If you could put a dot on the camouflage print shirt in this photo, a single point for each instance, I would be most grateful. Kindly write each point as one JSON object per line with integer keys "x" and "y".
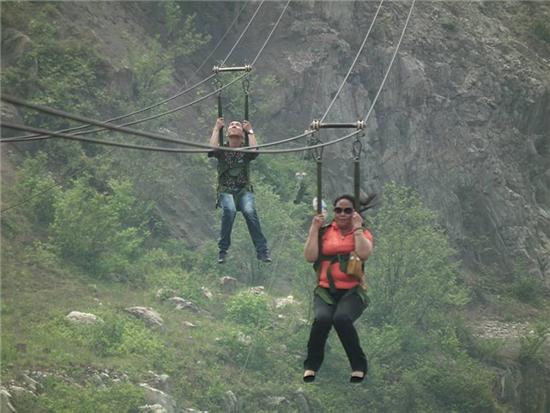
{"x": 232, "y": 169}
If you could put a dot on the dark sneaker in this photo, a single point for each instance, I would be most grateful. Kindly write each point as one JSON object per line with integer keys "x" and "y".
{"x": 264, "y": 257}
{"x": 221, "y": 257}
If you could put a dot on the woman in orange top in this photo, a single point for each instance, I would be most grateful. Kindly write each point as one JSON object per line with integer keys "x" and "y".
{"x": 339, "y": 298}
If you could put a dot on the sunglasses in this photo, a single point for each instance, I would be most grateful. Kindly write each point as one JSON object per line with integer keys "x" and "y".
{"x": 346, "y": 211}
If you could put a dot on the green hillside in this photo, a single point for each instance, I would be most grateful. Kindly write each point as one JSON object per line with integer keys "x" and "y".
{"x": 100, "y": 230}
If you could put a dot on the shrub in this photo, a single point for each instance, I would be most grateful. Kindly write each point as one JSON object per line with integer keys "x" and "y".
{"x": 248, "y": 309}
{"x": 541, "y": 29}
{"x": 61, "y": 397}
{"x": 527, "y": 289}
{"x": 117, "y": 335}
{"x": 412, "y": 277}
{"x": 100, "y": 233}
{"x": 36, "y": 189}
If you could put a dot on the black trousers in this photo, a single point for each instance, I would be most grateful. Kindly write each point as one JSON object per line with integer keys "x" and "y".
{"x": 342, "y": 314}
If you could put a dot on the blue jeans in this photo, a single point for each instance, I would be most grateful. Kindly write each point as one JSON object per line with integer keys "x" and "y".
{"x": 229, "y": 210}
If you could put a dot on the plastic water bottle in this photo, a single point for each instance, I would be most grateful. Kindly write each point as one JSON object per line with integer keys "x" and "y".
{"x": 324, "y": 210}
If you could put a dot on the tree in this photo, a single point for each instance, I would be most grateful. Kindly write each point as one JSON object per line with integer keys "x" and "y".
{"x": 412, "y": 274}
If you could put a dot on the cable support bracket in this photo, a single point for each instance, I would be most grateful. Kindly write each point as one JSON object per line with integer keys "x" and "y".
{"x": 219, "y": 69}
{"x": 317, "y": 124}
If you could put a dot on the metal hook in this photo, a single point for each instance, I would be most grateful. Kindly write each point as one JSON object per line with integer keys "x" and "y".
{"x": 218, "y": 84}
{"x": 316, "y": 152}
{"x": 357, "y": 147}
{"x": 246, "y": 85}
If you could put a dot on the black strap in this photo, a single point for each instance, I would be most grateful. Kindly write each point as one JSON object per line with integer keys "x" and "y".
{"x": 332, "y": 259}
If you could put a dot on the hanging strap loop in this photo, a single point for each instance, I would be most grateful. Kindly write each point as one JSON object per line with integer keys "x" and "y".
{"x": 218, "y": 83}
{"x": 357, "y": 148}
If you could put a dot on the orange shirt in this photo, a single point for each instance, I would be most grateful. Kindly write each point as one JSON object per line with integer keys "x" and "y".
{"x": 334, "y": 243}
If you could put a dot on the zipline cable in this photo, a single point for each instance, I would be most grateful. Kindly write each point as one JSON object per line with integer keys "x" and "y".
{"x": 244, "y": 31}
{"x": 35, "y": 137}
{"x": 180, "y": 93}
{"x": 118, "y": 128}
{"x": 271, "y": 33}
{"x": 274, "y": 151}
{"x": 353, "y": 63}
{"x": 43, "y": 191}
{"x": 38, "y": 137}
{"x": 77, "y": 128}
{"x": 221, "y": 39}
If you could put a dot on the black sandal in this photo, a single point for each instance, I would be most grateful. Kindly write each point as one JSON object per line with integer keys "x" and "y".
{"x": 357, "y": 379}
{"x": 309, "y": 378}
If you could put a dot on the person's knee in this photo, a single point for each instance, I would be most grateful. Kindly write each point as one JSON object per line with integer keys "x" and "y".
{"x": 229, "y": 210}
{"x": 323, "y": 320}
{"x": 249, "y": 210}
{"x": 342, "y": 320}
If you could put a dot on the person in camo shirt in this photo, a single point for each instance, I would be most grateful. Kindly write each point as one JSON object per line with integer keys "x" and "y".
{"x": 235, "y": 192}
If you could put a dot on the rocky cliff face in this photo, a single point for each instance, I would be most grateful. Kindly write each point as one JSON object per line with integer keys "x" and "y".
{"x": 463, "y": 117}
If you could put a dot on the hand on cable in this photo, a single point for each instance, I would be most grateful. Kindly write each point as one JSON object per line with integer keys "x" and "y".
{"x": 247, "y": 126}
{"x": 318, "y": 221}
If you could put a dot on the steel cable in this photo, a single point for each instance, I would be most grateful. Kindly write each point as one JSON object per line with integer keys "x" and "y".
{"x": 209, "y": 148}
{"x": 242, "y": 34}
{"x": 179, "y": 94}
{"x": 353, "y": 63}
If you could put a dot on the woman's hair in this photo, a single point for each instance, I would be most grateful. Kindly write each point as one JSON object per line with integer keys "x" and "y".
{"x": 350, "y": 198}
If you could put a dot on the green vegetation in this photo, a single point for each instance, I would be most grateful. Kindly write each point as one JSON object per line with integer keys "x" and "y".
{"x": 541, "y": 29}
{"x": 68, "y": 398}
{"x": 102, "y": 235}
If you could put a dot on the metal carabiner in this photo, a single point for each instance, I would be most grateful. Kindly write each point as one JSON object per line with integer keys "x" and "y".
{"x": 357, "y": 147}
{"x": 218, "y": 84}
{"x": 246, "y": 85}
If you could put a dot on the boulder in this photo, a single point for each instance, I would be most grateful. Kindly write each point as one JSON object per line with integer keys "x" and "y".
{"x": 165, "y": 293}
{"x": 5, "y": 402}
{"x": 228, "y": 284}
{"x": 152, "y": 408}
{"x": 284, "y": 301}
{"x": 231, "y": 402}
{"x": 83, "y": 318}
{"x": 158, "y": 397}
{"x": 147, "y": 314}
{"x": 301, "y": 400}
{"x": 207, "y": 293}
{"x": 183, "y": 304}
{"x": 258, "y": 290}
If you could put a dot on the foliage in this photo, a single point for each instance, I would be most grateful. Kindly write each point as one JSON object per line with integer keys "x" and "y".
{"x": 541, "y": 29}
{"x": 116, "y": 335}
{"x": 527, "y": 289}
{"x": 62, "y": 397}
{"x": 182, "y": 35}
{"x": 411, "y": 274}
{"x": 99, "y": 232}
{"x": 448, "y": 24}
{"x": 531, "y": 344}
{"x": 249, "y": 309}
{"x": 37, "y": 188}
{"x": 57, "y": 70}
